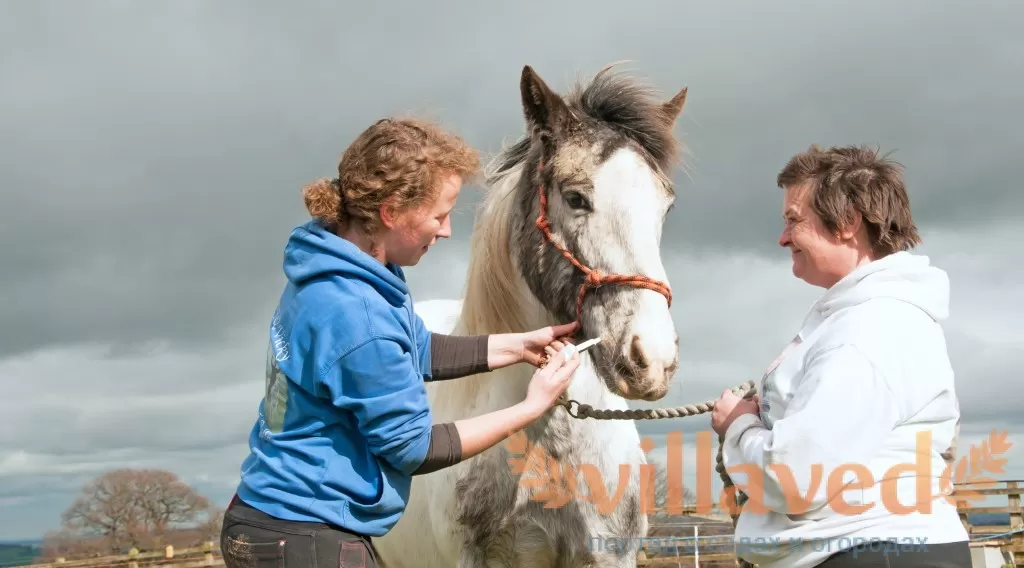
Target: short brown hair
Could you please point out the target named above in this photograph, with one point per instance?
(855, 179)
(400, 158)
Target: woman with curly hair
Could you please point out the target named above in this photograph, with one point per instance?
(345, 423)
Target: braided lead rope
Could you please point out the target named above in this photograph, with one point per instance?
(745, 390)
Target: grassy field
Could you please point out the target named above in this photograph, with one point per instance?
(17, 554)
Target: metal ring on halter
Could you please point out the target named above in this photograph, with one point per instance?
(567, 404)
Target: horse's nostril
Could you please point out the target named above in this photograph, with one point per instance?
(636, 354)
(624, 369)
(671, 368)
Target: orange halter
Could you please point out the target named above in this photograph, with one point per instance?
(595, 279)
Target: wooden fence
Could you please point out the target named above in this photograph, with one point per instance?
(1009, 538)
(711, 550)
(204, 556)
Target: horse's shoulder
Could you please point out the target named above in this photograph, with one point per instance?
(439, 315)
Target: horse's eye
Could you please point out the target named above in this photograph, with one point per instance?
(575, 200)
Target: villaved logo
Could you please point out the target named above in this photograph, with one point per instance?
(556, 484)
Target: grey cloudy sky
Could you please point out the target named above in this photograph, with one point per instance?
(151, 157)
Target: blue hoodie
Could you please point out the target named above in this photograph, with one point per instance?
(345, 419)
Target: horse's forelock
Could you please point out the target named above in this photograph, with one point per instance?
(631, 109)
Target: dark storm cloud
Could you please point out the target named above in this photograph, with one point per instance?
(154, 154)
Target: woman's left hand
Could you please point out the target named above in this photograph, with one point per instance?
(729, 407)
(542, 344)
(533, 347)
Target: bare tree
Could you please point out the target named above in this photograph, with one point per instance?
(57, 544)
(666, 497)
(132, 507)
(66, 544)
(214, 521)
(163, 499)
(105, 507)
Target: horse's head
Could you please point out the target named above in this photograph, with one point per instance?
(602, 155)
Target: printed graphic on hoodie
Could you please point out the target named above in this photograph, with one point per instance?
(275, 402)
(767, 389)
(276, 395)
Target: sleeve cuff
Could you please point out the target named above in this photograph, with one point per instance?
(739, 426)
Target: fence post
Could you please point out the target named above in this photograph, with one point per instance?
(1013, 501)
(696, 547)
(1016, 522)
(169, 551)
(208, 552)
(133, 558)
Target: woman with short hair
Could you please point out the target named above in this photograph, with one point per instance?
(862, 401)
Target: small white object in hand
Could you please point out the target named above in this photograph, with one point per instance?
(570, 349)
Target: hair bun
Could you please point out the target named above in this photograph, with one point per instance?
(336, 186)
(323, 200)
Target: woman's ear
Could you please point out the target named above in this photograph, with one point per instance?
(388, 213)
(851, 226)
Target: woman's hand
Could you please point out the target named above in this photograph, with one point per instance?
(550, 382)
(729, 407)
(484, 431)
(533, 347)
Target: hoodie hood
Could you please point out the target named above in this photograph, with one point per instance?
(901, 276)
(313, 252)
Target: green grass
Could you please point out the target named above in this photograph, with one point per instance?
(17, 554)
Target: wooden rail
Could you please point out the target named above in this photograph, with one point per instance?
(207, 555)
(1003, 536)
(711, 549)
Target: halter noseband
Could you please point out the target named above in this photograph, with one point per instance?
(595, 278)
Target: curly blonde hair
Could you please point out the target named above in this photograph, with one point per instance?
(398, 159)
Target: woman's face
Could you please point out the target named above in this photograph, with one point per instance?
(819, 257)
(413, 232)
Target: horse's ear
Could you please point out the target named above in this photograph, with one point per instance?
(673, 107)
(544, 110)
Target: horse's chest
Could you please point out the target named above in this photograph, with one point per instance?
(564, 493)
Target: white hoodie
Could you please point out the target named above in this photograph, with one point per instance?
(866, 374)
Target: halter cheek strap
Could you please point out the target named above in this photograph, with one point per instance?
(595, 279)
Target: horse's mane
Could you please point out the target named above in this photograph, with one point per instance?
(494, 302)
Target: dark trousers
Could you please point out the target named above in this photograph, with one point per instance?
(250, 538)
(942, 555)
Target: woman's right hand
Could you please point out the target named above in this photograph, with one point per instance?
(550, 382)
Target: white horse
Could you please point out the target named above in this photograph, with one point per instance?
(600, 158)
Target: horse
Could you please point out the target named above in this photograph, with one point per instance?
(575, 207)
